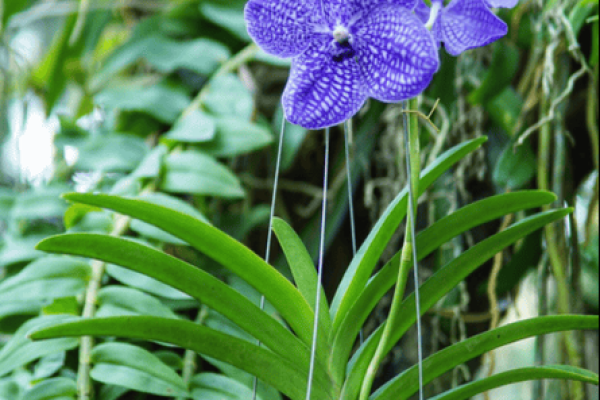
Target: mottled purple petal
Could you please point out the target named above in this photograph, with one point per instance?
(467, 24)
(502, 3)
(284, 28)
(346, 11)
(322, 90)
(396, 53)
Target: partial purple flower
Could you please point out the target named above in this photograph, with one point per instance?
(343, 52)
(464, 24)
(502, 3)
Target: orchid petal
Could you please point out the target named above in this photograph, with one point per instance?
(322, 90)
(396, 53)
(283, 28)
(467, 24)
(502, 3)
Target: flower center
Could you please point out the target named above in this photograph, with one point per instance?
(341, 35)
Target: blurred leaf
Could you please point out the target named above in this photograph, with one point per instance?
(37, 204)
(582, 10)
(20, 350)
(13, 7)
(228, 96)
(172, 359)
(135, 368)
(151, 165)
(505, 110)
(516, 168)
(235, 137)
(46, 278)
(117, 300)
(198, 173)
(112, 152)
(195, 127)
(240, 225)
(202, 56)
(111, 392)
(52, 389)
(7, 198)
(144, 282)
(16, 307)
(293, 139)
(9, 389)
(16, 250)
(49, 365)
(505, 64)
(227, 14)
(163, 102)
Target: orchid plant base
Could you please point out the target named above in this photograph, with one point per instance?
(283, 360)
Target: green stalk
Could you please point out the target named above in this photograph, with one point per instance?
(406, 260)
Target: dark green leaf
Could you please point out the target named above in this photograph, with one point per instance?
(186, 278)
(406, 384)
(282, 374)
(224, 250)
(518, 375)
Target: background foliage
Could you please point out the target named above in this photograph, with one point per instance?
(168, 101)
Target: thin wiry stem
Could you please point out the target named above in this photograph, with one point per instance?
(347, 135)
(410, 136)
(313, 352)
(270, 232)
(348, 129)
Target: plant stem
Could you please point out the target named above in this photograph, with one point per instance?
(406, 259)
(189, 359)
(84, 386)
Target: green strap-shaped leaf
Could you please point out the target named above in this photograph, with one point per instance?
(221, 248)
(427, 242)
(440, 284)
(269, 367)
(406, 384)
(189, 279)
(519, 375)
(303, 269)
(368, 256)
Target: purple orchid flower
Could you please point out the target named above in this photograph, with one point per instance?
(343, 52)
(502, 3)
(464, 24)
